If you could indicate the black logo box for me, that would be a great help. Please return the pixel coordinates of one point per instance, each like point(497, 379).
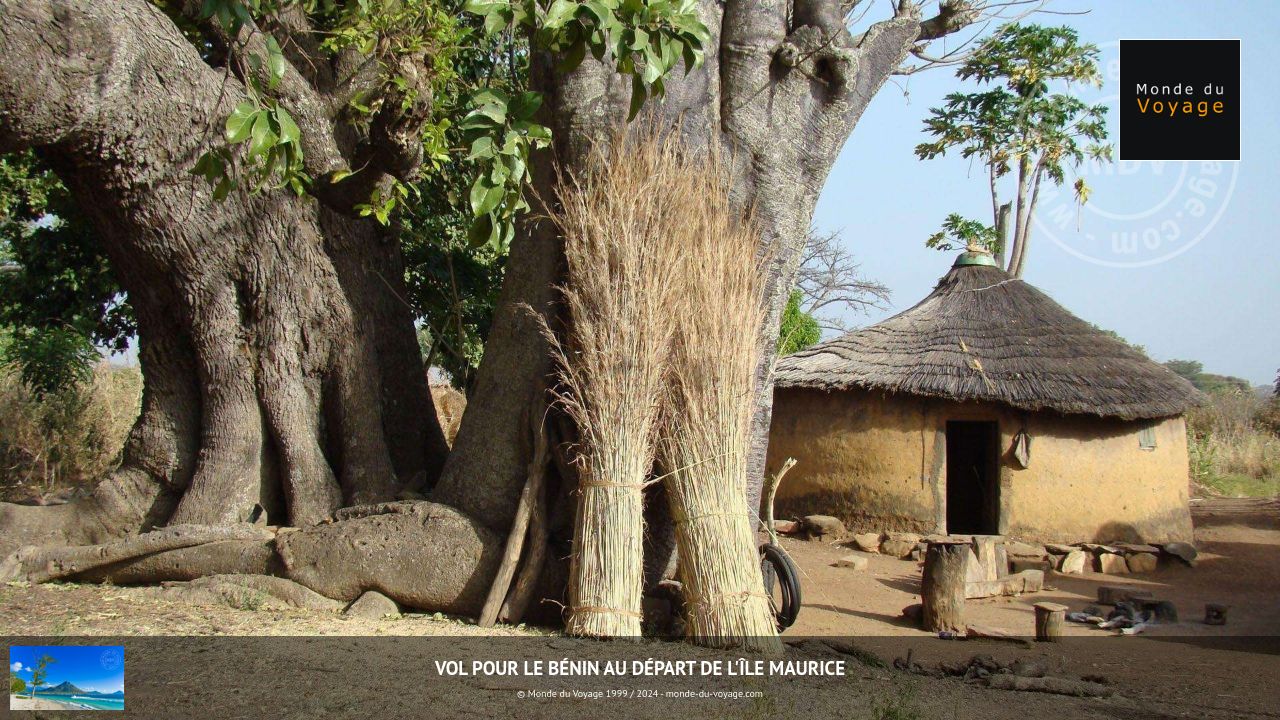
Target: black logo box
point(1185, 65)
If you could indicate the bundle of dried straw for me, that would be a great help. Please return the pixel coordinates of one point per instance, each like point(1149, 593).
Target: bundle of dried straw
point(664, 307)
point(706, 418)
point(613, 218)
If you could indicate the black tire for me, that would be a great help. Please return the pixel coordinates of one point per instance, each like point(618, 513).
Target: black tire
point(778, 568)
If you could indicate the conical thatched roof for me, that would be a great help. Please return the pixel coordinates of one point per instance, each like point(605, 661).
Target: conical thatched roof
point(983, 335)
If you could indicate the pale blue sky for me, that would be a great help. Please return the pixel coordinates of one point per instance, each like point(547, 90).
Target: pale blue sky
point(1214, 300)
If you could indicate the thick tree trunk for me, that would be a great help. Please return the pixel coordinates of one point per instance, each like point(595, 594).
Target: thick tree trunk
point(778, 94)
point(280, 365)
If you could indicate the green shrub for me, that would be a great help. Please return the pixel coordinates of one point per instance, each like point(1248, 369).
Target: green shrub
point(1233, 445)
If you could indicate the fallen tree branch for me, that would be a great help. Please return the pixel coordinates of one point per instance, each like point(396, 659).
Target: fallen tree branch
point(530, 573)
point(1051, 685)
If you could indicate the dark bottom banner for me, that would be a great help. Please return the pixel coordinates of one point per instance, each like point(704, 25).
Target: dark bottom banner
point(551, 676)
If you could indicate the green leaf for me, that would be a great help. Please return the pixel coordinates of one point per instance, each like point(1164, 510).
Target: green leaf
point(262, 138)
point(222, 189)
point(637, 97)
point(482, 148)
point(480, 230)
point(476, 121)
point(275, 62)
point(484, 196)
point(340, 175)
point(573, 57)
point(526, 104)
point(240, 121)
point(639, 40)
point(560, 12)
point(289, 132)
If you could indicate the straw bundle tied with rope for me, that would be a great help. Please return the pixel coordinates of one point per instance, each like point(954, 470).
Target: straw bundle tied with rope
point(663, 308)
point(706, 420)
point(614, 218)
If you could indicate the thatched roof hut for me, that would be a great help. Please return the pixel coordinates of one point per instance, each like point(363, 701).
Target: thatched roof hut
point(885, 417)
point(984, 336)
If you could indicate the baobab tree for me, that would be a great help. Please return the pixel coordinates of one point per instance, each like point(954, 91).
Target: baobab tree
point(282, 377)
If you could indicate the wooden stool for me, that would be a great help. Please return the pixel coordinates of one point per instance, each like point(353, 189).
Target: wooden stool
point(1049, 619)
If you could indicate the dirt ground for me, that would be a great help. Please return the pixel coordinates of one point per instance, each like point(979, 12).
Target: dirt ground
point(1186, 669)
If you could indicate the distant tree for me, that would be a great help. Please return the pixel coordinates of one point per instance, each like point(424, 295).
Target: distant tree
point(1194, 373)
point(798, 329)
point(1187, 369)
point(58, 295)
point(1019, 127)
point(1276, 391)
point(831, 282)
point(40, 673)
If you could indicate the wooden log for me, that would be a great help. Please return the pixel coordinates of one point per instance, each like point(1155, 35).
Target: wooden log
point(1049, 621)
point(943, 587)
point(520, 525)
point(530, 572)
point(771, 492)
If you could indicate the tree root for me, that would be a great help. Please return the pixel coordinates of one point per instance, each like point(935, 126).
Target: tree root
point(248, 592)
point(228, 557)
point(420, 554)
point(43, 563)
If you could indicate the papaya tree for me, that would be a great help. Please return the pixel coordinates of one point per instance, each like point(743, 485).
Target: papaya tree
point(1019, 128)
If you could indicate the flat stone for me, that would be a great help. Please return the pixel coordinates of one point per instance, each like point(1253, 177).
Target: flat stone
point(1073, 563)
point(1137, 548)
point(1186, 552)
point(983, 589)
point(823, 525)
point(372, 605)
point(867, 542)
point(1058, 549)
point(786, 527)
point(1142, 562)
point(897, 548)
point(1021, 549)
point(853, 562)
point(1110, 564)
point(1097, 549)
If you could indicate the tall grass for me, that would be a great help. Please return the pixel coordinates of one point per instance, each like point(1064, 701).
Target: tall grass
point(1234, 446)
point(615, 219)
point(67, 439)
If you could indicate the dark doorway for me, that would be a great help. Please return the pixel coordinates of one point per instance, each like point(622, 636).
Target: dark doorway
point(973, 478)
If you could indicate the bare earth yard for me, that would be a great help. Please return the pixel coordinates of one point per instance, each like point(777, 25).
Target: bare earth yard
point(1183, 670)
